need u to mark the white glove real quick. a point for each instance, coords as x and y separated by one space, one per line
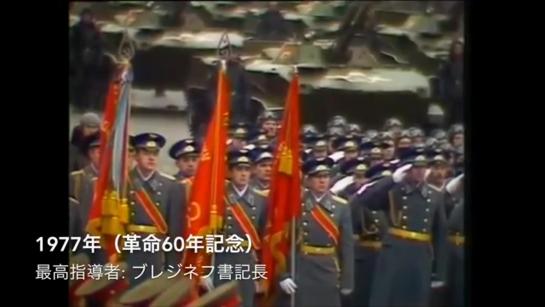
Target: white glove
346 291
437 284
454 184
288 286
401 172
207 283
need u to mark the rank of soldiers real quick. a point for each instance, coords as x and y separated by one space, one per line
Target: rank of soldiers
381 223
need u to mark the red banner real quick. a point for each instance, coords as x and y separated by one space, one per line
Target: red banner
285 193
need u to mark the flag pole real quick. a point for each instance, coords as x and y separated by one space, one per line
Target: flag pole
293 226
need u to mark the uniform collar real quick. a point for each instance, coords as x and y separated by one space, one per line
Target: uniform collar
144 179
239 193
410 188
324 200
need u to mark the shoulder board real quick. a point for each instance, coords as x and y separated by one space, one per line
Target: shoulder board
339 199
78 172
167 176
264 193
186 181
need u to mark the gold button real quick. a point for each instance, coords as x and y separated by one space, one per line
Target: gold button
427 209
305 233
425 220
229 217
254 208
333 206
332 215
404 217
405 207
158 193
157 204
404 197
376 220
404 227
429 200
305 224
253 217
424 230
132 203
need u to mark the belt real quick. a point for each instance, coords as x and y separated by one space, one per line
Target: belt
317 250
370 244
404 234
142 228
457 240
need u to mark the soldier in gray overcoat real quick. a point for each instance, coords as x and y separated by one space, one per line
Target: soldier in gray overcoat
245 210
152 191
324 263
417 236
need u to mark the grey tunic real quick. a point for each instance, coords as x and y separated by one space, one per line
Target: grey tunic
369 227
404 267
455 284
319 278
169 196
254 205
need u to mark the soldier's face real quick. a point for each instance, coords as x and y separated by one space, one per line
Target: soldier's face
404 143
319 183
319 154
350 155
359 179
438 172
417 174
263 170
188 164
147 159
240 175
458 140
94 155
418 140
388 153
86 131
270 127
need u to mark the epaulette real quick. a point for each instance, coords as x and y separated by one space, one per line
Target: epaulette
264 193
167 176
186 181
78 172
339 199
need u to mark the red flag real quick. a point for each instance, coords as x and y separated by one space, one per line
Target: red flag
206 206
106 217
285 193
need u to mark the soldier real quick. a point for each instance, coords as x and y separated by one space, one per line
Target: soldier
239 134
333 133
375 156
388 150
369 226
347 148
156 207
245 214
456 136
78 179
455 290
357 169
325 247
131 153
262 169
438 172
89 125
337 121
417 235
269 124
405 140
186 154
319 147
394 126
417 135
354 130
